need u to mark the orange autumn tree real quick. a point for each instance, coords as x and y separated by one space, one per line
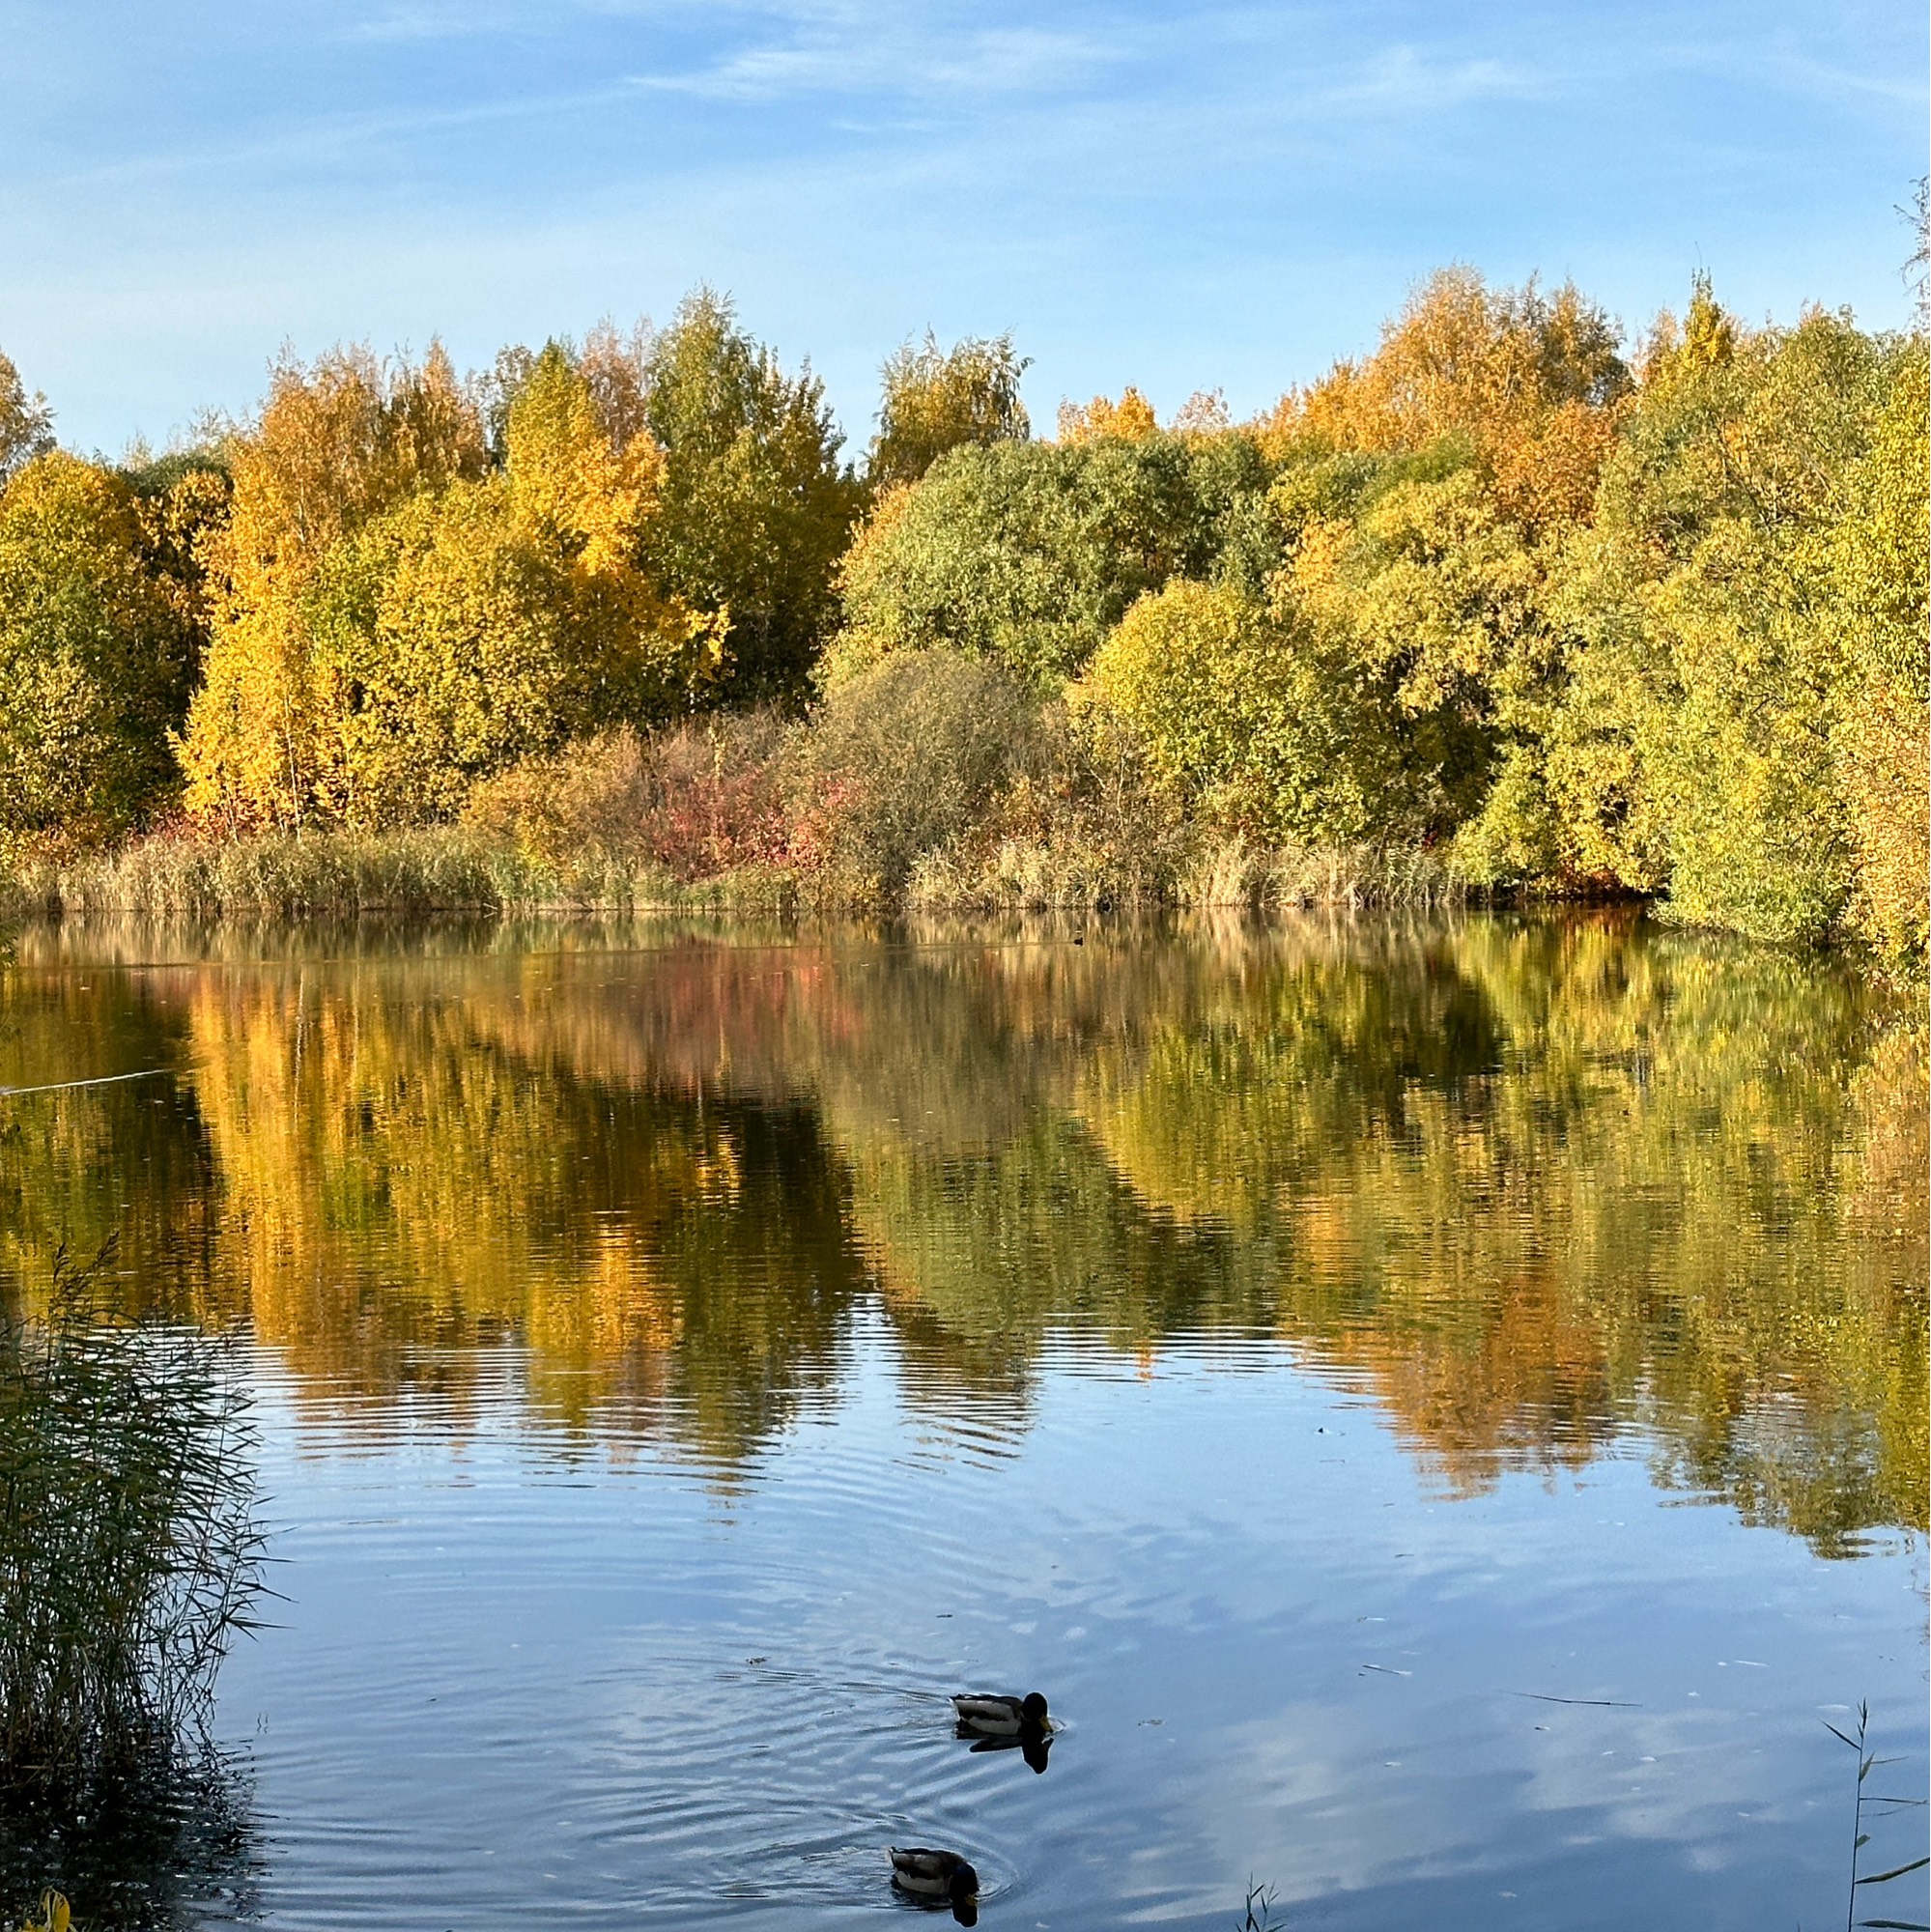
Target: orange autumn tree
1531 382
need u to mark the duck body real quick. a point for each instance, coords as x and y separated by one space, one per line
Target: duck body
1002 1717
933 1874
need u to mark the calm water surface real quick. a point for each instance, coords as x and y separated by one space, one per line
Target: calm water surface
1440 1410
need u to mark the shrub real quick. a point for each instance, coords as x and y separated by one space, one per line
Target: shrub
1247 721
903 760
1081 825
703 798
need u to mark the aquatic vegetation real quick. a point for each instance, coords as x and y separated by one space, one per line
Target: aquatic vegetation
1867 1762
130 1551
1257 1915
156 1845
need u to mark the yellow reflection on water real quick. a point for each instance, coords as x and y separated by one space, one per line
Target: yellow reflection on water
1523 1183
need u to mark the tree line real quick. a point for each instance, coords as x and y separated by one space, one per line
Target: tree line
1572 613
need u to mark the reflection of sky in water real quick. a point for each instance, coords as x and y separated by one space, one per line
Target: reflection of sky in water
1304 1356
507 1677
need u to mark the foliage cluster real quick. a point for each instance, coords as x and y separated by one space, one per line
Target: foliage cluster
129 1550
1563 619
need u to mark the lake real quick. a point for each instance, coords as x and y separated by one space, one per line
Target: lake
1439 1407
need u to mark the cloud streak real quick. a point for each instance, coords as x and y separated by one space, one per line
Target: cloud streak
1226 194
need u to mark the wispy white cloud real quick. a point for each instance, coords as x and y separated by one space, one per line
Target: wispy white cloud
863 57
334 136
429 24
1407 80
1787 70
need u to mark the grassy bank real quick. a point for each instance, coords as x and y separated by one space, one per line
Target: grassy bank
455 868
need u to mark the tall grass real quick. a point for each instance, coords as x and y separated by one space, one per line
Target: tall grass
464 869
130 1551
932 783
1187 869
162 1848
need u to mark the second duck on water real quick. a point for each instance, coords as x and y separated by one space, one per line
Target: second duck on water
937 1878
996 1717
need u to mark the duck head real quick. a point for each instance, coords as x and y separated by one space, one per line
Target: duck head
1032 1709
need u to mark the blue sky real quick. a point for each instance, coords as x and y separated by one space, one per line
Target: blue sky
1181 197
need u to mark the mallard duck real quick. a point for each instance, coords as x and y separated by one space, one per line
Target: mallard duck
936 1876
1002 1717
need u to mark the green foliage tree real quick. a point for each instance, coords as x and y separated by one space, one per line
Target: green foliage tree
756 506
935 400
99 644
1249 722
1711 596
1030 553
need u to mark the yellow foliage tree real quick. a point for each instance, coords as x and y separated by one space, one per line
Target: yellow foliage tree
1879 568
1125 421
1246 721
335 444
399 623
470 628
935 400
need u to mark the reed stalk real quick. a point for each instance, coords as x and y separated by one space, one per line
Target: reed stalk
129 1550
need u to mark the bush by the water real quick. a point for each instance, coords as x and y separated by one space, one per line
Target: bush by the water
906 759
129 1551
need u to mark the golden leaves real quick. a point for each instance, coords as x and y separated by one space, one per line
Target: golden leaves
1126 421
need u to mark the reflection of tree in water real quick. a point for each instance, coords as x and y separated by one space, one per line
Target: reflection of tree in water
396 1177
81 1163
1656 1208
981 1258
173 1846
1527 1182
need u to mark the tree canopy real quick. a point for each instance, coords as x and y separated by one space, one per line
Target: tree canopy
934 399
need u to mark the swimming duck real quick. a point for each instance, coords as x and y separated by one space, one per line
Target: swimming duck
937 1877
1002 1717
